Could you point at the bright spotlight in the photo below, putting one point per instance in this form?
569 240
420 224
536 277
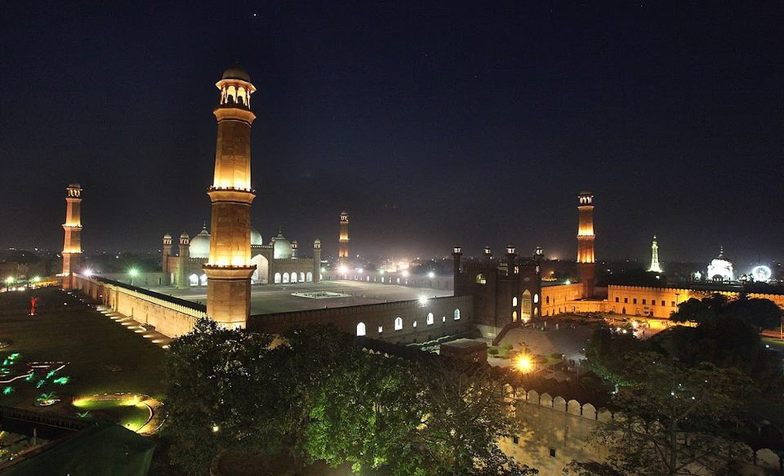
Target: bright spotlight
342 269
524 363
431 275
87 272
133 272
422 300
405 273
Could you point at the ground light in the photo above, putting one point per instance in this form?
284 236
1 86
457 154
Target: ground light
524 363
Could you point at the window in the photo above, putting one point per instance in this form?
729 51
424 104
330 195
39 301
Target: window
536 298
294 277
547 300
514 301
480 279
301 277
309 277
514 316
457 314
398 323
663 302
634 300
672 303
653 302
443 318
193 280
643 302
361 329
203 279
285 278
616 299
430 319
626 300
413 324
380 329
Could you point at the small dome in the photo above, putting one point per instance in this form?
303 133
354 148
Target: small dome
200 245
255 238
236 72
167 236
281 247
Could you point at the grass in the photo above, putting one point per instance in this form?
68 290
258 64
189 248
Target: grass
103 356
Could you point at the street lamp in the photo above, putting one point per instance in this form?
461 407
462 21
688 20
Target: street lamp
524 363
133 272
8 282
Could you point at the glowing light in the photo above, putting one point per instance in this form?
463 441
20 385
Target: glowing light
9 280
422 300
36 279
342 269
431 275
360 270
404 273
215 428
133 272
524 363
87 272
567 282
761 273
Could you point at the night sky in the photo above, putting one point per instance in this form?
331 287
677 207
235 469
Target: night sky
431 123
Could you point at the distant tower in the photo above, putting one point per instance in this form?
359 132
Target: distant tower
317 261
343 251
229 267
72 243
182 261
457 256
586 262
655 268
165 253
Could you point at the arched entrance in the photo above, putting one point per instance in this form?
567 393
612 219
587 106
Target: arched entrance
261 275
525 306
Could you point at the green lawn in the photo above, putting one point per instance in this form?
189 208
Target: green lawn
103 355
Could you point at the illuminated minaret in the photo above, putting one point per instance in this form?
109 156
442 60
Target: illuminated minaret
586 266
655 268
343 251
72 243
229 267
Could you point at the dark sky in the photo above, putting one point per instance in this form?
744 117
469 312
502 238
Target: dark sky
431 123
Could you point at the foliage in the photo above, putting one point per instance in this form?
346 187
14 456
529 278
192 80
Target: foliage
315 394
606 351
761 313
217 394
676 419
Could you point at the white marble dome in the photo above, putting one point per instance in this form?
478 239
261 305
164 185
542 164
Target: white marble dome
720 268
281 248
200 245
255 238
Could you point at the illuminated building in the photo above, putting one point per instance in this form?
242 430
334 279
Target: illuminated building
654 267
72 243
229 267
586 262
506 292
343 250
277 262
720 268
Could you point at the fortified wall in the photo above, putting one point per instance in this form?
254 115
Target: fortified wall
554 431
168 315
399 322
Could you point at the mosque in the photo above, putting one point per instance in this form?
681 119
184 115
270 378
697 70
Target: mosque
277 262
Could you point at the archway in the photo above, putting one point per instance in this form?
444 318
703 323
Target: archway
309 277
361 329
193 279
526 306
286 278
261 275
278 278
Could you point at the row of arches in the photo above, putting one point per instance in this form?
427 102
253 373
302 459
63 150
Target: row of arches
293 277
399 324
197 280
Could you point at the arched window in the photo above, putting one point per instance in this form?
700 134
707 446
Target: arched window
443 318
309 277
286 278
398 280
294 277
380 329
193 279
525 306
361 329
514 301
203 279
536 298
301 277
514 316
398 323
457 314
480 279
430 319
547 300
277 278
413 324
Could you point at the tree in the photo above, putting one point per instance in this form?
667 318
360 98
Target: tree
466 415
675 419
606 353
217 396
762 313
694 310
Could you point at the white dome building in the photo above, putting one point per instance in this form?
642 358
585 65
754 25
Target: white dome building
720 268
255 238
200 244
281 247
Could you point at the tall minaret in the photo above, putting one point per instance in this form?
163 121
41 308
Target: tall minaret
655 268
317 261
72 243
343 251
165 253
229 267
586 262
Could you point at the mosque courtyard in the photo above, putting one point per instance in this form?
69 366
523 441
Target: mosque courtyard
268 299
